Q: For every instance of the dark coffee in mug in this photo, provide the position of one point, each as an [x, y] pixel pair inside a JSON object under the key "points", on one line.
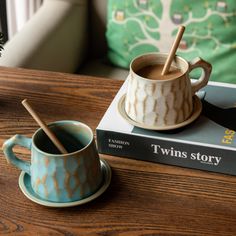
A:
{"points": [[153, 72]]}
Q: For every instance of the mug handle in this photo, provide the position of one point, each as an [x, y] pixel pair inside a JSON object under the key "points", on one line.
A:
{"points": [[9, 154], [204, 77]]}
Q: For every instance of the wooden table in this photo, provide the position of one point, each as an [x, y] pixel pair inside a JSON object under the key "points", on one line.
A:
{"points": [[143, 198]]}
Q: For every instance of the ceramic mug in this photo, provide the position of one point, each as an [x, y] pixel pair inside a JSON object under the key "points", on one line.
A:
{"points": [[161, 102], [60, 177]]}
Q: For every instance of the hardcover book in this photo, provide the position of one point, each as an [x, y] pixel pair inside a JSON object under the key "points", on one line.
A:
{"points": [[208, 143]]}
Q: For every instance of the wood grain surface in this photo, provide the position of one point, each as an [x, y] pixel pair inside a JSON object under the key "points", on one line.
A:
{"points": [[143, 198]]}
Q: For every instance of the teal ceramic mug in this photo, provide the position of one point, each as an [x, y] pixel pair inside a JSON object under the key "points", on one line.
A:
{"points": [[60, 177]]}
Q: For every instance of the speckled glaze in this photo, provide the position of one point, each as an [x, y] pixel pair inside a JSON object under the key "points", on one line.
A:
{"points": [[163, 102], [60, 177]]}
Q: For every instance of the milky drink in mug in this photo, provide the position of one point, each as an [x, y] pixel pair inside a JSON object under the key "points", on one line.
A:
{"points": [[153, 72], [159, 101]]}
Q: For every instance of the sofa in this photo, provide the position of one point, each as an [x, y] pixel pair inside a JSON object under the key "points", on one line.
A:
{"points": [[64, 36], [73, 35]]}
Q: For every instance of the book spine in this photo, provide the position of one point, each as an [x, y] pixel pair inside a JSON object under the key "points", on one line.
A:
{"points": [[166, 152]]}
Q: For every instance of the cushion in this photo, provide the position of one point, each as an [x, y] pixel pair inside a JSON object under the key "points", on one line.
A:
{"points": [[135, 27]]}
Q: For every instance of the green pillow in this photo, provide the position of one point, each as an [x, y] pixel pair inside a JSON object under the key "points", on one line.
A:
{"points": [[135, 27]]}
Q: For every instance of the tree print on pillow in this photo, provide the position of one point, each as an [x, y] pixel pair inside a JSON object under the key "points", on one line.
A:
{"points": [[140, 26]]}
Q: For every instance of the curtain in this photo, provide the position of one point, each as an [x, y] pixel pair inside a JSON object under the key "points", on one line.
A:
{"points": [[3, 20], [19, 12]]}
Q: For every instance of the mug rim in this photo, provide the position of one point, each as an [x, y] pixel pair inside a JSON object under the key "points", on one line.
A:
{"points": [[67, 154], [158, 53]]}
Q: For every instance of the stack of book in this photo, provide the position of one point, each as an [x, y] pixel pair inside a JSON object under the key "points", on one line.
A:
{"points": [[209, 143]]}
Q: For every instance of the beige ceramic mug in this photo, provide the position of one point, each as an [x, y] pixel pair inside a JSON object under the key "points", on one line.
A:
{"points": [[163, 102]]}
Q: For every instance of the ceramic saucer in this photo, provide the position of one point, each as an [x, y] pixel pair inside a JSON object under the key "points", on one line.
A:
{"points": [[197, 108], [26, 188]]}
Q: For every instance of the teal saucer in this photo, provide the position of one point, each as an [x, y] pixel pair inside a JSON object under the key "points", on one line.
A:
{"points": [[26, 188]]}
